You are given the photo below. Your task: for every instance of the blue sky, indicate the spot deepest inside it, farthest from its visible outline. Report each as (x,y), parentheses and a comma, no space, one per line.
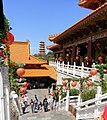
(35,20)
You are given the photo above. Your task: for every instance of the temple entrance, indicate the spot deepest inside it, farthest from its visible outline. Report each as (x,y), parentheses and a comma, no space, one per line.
(40,82)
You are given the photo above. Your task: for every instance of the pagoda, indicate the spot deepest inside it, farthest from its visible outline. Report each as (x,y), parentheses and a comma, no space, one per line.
(42,48)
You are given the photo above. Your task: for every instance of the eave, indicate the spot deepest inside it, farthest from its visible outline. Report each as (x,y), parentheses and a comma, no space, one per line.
(82,23)
(91,4)
(54,47)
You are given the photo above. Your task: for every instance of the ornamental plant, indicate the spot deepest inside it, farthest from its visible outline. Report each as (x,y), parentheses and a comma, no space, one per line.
(88,94)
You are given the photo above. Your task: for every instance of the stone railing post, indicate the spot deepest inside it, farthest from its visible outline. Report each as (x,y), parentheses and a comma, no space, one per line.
(59,102)
(74,69)
(82,69)
(57,64)
(67,101)
(63,66)
(2,114)
(68,68)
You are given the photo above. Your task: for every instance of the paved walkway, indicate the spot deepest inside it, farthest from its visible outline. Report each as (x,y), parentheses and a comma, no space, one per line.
(51,115)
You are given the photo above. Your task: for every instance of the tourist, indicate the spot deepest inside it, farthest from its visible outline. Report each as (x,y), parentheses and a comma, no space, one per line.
(23,106)
(35,104)
(32,105)
(40,106)
(50,102)
(26,100)
(48,90)
(45,104)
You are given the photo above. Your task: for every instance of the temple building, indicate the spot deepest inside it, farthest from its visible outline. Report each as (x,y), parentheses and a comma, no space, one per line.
(86,40)
(37,72)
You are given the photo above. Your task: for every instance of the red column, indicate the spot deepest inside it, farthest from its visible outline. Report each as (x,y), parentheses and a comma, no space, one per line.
(73,54)
(63,56)
(90,52)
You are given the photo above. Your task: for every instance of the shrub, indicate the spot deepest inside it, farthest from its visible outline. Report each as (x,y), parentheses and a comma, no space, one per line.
(74,92)
(88,94)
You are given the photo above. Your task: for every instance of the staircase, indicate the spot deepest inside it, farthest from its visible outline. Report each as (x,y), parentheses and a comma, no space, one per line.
(89,110)
(50,115)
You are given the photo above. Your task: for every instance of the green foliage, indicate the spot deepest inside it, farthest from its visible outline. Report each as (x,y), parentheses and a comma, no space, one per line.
(104,86)
(56,95)
(13,76)
(74,92)
(46,56)
(63,95)
(88,93)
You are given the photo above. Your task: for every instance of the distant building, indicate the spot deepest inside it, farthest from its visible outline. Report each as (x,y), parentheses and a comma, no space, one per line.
(42,48)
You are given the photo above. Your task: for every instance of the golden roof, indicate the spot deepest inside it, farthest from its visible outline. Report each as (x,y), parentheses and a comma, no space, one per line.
(20,53)
(81,22)
(54,46)
(44,71)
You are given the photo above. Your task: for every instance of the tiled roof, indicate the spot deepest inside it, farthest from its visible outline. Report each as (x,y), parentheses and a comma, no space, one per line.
(81,22)
(20,53)
(45,71)
(54,46)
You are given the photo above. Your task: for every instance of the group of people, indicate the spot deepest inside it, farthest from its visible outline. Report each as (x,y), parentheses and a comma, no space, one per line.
(37,105)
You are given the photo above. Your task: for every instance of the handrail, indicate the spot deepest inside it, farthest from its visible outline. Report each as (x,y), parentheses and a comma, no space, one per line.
(94,107)
(61,105)
(71,70)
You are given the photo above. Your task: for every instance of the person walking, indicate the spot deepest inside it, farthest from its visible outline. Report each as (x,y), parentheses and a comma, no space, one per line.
(49,90)
(26,100)
(23,107)
(45,104)
(40,106)
(50,102)
(32,105)
(35,104)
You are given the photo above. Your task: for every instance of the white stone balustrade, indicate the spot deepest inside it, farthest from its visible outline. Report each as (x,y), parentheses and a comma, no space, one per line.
(71,70)
(91,109)
(65,102)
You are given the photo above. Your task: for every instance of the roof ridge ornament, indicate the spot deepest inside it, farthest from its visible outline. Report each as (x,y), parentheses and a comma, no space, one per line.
(51,37)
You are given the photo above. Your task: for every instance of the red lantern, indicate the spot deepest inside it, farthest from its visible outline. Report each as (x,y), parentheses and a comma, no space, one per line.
(64,82)
(100,58)
(22,90)
(67,58)
(23,96)
(25,84)
(60,58)
(87,58)
(93,72)
(78,48)
(20,72)
(66,88)
(28,84)
(52,94)
(56,88)
(74,83)
(98,44)
(77,57)
(89,83)
(9,40)
(86,46)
